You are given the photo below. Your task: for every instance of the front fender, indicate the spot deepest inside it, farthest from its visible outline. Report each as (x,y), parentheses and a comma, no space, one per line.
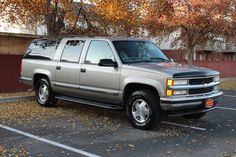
(147,81)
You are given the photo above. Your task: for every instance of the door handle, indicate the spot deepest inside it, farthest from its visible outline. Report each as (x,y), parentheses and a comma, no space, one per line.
(58,67)
(83,70)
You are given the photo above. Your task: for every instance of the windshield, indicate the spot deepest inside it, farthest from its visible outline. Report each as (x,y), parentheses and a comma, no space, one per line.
(139,51)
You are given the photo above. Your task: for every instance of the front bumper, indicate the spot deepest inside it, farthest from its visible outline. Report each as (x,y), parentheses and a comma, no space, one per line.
(188,103)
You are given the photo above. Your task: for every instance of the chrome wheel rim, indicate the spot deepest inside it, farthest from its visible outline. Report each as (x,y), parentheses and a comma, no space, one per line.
(43,93)
(140,110)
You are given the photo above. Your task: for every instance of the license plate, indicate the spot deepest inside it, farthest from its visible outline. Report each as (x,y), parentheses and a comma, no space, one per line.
(209,103)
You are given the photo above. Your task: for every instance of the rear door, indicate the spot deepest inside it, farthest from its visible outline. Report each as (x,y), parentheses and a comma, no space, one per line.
(68,68)
(99,83)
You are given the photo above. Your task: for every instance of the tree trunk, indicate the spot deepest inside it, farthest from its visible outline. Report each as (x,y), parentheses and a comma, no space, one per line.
(54,19)
(190,52)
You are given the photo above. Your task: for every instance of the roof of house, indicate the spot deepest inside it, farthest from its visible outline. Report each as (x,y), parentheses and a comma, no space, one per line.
(19,35)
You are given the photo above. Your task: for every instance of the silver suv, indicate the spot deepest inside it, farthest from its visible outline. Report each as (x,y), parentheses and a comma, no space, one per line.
(130,74)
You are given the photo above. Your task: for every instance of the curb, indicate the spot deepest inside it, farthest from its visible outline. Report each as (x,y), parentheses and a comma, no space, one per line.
(16,98)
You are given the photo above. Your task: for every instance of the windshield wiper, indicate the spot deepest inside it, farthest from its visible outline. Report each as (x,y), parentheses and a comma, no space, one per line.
(140,61)
(162,59)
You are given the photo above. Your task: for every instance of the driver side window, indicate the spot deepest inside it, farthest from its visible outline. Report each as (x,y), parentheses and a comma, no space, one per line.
(98,50)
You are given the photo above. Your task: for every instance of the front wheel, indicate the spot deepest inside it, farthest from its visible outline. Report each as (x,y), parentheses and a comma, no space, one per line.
(44,94)
(143,109)
(195,115)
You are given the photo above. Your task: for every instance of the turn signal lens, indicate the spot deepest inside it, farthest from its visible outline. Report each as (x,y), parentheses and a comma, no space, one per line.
(170,82)
(169,92)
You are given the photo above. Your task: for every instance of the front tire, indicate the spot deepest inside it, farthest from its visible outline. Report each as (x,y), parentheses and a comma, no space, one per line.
(195,115)
(44,94)
(143,109)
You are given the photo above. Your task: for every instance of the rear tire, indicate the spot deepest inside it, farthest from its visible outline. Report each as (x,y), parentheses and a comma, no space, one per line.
(143,109)
(195,115)
(44,94)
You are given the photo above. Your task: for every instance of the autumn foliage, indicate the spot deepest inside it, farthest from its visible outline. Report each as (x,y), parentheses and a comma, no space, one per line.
(195,21)
(66,16)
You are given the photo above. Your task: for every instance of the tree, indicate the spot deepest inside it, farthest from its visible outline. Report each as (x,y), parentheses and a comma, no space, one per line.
(120,18)
(196,21)
(67,17)
(32,12)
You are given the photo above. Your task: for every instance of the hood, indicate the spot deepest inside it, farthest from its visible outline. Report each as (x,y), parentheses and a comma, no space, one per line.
(177,70)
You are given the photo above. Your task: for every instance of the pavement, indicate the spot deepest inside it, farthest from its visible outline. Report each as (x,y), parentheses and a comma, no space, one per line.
(58,134)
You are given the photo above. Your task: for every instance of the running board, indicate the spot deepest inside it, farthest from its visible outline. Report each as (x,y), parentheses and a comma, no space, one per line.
(88,102)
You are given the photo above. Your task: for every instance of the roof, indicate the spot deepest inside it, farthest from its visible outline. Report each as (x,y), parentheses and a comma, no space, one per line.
(95,37)
(229,51)
(19,35)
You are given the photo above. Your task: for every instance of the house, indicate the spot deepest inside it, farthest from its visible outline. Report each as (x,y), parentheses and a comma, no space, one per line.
(12,48)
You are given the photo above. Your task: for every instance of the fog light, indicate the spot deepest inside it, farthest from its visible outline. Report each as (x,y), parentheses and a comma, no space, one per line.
(180,92)
(169,92)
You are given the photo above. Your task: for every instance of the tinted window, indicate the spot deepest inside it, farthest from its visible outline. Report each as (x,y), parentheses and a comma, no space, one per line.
(42,49)
(98,50)
(139,51)
(72,51)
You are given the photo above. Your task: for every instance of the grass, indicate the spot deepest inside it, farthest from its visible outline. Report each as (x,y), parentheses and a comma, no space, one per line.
(228,84)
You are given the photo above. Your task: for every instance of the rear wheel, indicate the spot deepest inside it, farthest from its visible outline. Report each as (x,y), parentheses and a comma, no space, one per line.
(44,94)
(195,115)
(143,109)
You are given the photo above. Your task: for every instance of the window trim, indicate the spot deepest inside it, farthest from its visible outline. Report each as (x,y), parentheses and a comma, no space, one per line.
(64,49)
(84,62)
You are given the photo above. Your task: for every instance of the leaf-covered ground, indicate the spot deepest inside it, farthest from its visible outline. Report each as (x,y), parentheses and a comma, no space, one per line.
(14,152)
(4,95)
(29,112)
(228,84)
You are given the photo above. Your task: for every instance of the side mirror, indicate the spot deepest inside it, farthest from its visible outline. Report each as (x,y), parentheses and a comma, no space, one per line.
(172,60)
(107,63)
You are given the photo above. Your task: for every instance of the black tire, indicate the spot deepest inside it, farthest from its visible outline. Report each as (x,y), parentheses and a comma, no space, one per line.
(152,105)
(49,101)
(195,115)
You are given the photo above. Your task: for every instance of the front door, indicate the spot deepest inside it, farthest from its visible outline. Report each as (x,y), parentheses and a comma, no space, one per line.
(99,83)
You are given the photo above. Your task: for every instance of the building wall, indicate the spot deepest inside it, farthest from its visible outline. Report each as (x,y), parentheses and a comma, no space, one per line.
(179,55)
(14,44)
(226,68)
(10,66)
(12,48)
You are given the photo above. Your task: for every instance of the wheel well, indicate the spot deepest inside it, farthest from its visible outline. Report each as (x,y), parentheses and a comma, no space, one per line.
(130,88)
(37,77)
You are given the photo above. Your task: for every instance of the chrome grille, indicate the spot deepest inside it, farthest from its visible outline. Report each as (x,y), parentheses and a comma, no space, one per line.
(196,86)
(200,81)
(201,90)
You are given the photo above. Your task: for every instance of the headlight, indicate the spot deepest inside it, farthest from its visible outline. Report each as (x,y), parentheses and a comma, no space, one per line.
(180,82)
(180,92)
(217,78)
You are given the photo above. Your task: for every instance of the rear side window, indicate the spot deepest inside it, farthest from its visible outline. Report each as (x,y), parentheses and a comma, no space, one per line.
(42,49)
(72,51)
